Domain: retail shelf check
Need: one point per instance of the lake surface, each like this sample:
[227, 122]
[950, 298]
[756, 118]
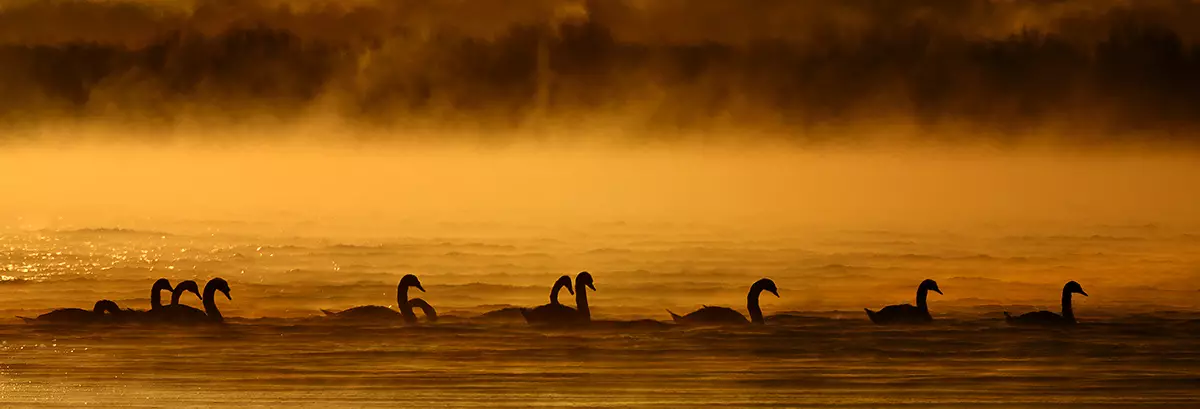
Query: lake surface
[1136, 344]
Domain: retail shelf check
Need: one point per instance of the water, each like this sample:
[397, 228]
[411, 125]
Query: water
[1136, 344]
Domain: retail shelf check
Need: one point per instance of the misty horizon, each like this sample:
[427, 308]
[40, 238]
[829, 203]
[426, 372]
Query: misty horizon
[947, 72]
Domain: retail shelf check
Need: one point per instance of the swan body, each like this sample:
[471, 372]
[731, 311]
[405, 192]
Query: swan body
[711, 315]
[504, 314]
[907, 313]
[380, 313]
[558, 314]
[722, 315]
[1047, 317]
[519, 313]
[79, 315]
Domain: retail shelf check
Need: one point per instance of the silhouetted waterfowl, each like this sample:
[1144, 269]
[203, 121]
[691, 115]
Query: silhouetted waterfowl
[557, 314]
[155, 297]
[184, 287]
[722, 315]
[174, 311]
[156, 290]
[563, 282]
[79, 315]
[378, 313]
[183, 314]
[518, 313]
[906, 313]
[430, 313]
[1047, 317]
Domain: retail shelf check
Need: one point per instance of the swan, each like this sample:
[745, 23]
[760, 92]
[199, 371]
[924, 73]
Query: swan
[185, 286]
[1047, 317]
[430, 313]
[723, 315]
[378, 313]
[183, 314]
[156, 290]
[517, 313]
[561, 314]
[79, 315]
[175, 310]
[906, 313]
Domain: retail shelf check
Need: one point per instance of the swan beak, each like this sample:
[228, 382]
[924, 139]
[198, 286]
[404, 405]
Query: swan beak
[591, 286]
[227, 295]
[572, 290]
[938, 291]
[420, 288]
[776, 292]
[1083, 292]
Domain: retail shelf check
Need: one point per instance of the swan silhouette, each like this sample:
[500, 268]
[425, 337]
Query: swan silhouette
[906, 313]
[378, 313]
[183, 287]
[722, 315]
[1047, 317]
[558, 314]
[183, 314]
[156, 290]
[80, 315]
[430, 313]
[175, 311]
[518, 313]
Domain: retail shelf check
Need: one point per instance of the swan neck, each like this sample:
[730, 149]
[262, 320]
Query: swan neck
[554, 292]
[922, 294]
[155, 298]
[210, 304]
[175, 297]
[581, 302]
[403, 304]
[1067, 311]
[756, 315]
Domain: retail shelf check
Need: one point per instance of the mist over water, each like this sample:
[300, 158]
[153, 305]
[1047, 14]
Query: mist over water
[302, 227]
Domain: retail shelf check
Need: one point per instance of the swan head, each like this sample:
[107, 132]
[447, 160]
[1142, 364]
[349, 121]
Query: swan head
[565, 281]
[189, 286]
[767, 285]
[585, 279]
[162, 284]
[410, 280]
[103, 306]
[931, 286]
[1074, 287]
[217, 284]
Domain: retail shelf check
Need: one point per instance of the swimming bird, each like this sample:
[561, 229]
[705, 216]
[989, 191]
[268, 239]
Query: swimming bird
[430, 313]
[183, 314]
[175, 311]
[156, 290]
[906, 313]
[518, 313]
[184, 287]
[79, 315]
[558, 314]
[378, 313]
[1047, 317]
[722, 315]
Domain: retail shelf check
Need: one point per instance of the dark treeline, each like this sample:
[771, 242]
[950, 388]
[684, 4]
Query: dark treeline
[1103, 71]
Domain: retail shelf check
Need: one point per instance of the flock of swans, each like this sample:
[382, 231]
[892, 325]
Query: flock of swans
[552, 314]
